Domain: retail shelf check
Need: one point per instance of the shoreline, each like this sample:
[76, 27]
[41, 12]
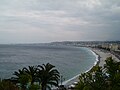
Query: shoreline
[69, 82]
[100, 60]
[103, 55]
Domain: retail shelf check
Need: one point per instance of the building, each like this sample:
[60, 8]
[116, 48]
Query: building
[114, 47]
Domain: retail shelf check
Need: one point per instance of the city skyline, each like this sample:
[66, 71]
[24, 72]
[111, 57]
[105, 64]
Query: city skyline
[40, 21]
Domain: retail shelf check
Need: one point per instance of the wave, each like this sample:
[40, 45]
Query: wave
[96, 55]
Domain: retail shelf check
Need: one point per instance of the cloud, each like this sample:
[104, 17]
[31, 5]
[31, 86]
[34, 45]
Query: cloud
[46, 20]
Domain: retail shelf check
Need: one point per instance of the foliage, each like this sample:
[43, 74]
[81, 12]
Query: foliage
[24, 80]
[21, 78]
[112, 68]
[45, 74]
[93, 80]
[34, 87]
[107, 78]
[48, 76]
[32, 71]
[7, 85]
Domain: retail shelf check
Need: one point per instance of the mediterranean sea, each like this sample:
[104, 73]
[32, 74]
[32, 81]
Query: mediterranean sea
[69, 60]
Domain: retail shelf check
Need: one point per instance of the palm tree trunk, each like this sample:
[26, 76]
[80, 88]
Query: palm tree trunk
[32, 82]
[43, 87]
[23, 87]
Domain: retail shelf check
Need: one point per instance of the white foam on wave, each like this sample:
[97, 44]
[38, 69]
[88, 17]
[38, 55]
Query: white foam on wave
[65, 82]
[95, 56]
[75, 77]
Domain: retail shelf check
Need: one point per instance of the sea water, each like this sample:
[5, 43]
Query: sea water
[69, 60]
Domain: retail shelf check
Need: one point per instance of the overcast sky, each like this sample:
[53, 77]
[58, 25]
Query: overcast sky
[37, 21]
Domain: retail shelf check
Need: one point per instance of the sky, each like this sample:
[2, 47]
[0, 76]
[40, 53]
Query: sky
[41, 21]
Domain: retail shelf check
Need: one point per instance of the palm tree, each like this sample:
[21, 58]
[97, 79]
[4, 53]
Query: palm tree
[21, 78]
[93, 80]
[48, 76]
[112, 68]
[31, 70]
[24, 80]
[17, 75]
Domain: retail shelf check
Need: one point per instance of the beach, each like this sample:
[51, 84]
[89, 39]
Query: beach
[101, 57]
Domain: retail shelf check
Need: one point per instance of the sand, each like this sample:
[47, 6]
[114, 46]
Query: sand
[103, 55]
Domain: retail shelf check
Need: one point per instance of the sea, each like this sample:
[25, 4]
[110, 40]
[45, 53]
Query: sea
[70, 61]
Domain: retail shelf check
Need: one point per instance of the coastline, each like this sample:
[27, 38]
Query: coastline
[69, 82]
[100, 60]
[103, 55]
